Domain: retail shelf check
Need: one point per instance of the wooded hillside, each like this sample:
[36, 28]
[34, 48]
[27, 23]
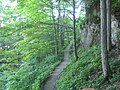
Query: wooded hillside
[81, 37]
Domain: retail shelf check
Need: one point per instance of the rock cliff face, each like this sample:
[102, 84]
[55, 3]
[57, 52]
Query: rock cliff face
[114, 29]
[90, 33]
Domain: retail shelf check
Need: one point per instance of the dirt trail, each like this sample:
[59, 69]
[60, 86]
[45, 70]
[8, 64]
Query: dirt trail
[50, 83]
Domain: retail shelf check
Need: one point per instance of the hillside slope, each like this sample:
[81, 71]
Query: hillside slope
[87, 72]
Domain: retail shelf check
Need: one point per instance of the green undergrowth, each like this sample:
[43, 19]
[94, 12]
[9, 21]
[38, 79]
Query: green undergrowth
[31, 77]
[78, 73]
[87, 72]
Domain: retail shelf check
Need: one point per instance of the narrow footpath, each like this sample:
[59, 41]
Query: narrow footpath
[50, 83]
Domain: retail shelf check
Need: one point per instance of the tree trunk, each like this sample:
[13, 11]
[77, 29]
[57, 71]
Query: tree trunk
[104, 53]
[55, 32]
[86, 9]
[63, 29]
[68, 35]
[109, 44]
[74, 32]
[58, 27]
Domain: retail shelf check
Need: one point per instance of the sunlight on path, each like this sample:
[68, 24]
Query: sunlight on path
[50, 83]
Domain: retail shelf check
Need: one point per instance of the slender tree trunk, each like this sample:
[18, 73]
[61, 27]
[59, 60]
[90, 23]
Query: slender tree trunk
[55, 32]
[58, 27]
[109, 44]
[59, 31]
[104, 53]
[68, 35]
[74, 31]
[86, 9]
[63, 29]
[62, 36]
[67, 29]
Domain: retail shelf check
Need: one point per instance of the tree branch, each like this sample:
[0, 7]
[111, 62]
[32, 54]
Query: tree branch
[44, 23]
[4, 62]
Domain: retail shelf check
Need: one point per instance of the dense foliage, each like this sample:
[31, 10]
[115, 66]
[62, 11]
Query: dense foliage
[87, 72]
[31, 77]
[32, 39]
[80, 73]
[33, 36]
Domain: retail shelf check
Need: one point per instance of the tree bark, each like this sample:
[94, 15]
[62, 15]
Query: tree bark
[58, 27]
[74, 31]
[109, 44]
[104, 53]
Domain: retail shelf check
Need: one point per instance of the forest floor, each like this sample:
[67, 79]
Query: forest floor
[50, 83]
